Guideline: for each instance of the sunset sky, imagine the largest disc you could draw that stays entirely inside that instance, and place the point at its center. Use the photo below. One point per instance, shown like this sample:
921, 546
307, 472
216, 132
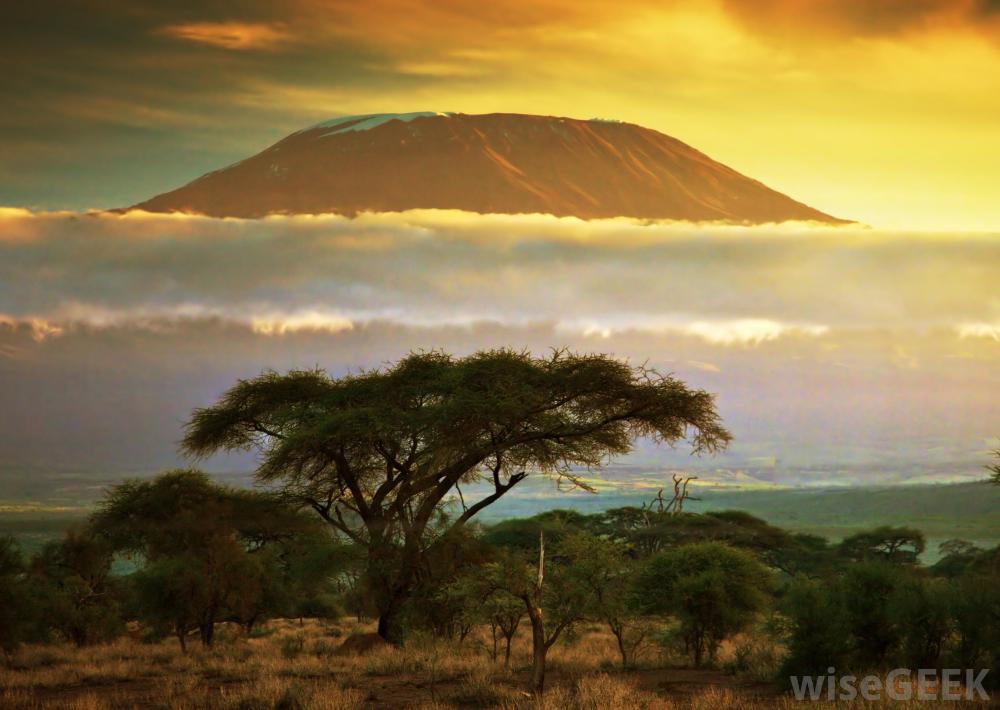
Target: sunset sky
884, 111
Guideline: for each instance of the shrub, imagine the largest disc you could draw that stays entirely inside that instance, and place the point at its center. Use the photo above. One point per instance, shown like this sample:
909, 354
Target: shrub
870, 588
817, 635
922, 608
323, 648
16, 607
713, 590
292, 647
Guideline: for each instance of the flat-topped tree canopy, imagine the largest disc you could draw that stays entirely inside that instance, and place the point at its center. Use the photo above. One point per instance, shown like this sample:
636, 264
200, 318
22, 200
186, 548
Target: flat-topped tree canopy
377, 453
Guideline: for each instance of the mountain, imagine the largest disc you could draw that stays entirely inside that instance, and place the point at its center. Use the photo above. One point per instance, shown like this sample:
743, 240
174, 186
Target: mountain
499, 163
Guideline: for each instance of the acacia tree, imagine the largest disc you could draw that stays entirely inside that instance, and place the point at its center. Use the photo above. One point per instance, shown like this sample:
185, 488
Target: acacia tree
713, 590
604, 569
76, 592
899, 545
504, 614
550, 594
15, 603
203, 545
377, 453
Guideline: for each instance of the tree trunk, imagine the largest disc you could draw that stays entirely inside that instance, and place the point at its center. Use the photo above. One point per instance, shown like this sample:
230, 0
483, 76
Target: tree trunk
506, 652
207, 630
619, 636
393, 578
534, 606
182, 637
538, 649
390, 619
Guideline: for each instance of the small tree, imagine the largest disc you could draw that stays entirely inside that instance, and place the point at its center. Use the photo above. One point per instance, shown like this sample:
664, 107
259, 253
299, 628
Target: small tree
311, 567
376, 454
207, 550
817, 627
959, 557
899, 545
551, 598
449, 593
216, 581
15, 604
713, 590
975, 612
606, 572
922, 607
504, 614
995, 469
870, 588
77, 596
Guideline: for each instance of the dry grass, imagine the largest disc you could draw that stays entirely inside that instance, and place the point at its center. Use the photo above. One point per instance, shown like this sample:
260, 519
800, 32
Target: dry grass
288, 666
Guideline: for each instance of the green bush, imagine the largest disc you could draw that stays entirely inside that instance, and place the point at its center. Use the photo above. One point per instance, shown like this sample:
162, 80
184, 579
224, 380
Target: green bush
870, 589
817, 628
712, 589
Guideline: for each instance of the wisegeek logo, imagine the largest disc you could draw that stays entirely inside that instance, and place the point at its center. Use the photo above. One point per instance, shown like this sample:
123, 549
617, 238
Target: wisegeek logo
899, 684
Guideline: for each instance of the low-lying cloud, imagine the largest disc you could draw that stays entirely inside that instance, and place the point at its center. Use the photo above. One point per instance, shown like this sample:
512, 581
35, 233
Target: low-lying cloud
729, 285
832, 350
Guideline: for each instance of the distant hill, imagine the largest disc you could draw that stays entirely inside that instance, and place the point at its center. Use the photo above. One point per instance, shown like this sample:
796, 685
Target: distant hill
36, 506
493, 163
969, 511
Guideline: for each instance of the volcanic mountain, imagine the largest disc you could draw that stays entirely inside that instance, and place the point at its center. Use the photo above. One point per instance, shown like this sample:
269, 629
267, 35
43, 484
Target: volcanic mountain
499, 163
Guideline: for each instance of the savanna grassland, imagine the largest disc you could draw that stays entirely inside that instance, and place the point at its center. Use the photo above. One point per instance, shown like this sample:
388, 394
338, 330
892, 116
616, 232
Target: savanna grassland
292, 665
352, 577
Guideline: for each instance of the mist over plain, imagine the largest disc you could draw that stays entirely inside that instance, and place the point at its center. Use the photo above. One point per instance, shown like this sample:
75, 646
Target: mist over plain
837, 352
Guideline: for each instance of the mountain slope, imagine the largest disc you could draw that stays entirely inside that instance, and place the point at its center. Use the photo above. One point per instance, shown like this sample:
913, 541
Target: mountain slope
492, 163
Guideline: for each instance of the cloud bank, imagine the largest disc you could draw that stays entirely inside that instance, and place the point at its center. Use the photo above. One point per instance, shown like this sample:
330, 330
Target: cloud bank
728, 285
832, 350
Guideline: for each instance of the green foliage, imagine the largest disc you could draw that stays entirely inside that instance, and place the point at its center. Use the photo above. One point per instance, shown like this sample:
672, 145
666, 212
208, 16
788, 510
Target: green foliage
377, 454
606, 572
714, 591
975, 611
898, 545
216, 581
448, 596
957, 558
818, 634
213, 553
874, 615
995, 469
504, 614
922, 607
563, 600
17, 607
76, 594
522, 533
869, 588
177, 510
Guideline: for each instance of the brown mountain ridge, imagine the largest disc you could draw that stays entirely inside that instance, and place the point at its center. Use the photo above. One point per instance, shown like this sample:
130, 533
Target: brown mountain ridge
491, 163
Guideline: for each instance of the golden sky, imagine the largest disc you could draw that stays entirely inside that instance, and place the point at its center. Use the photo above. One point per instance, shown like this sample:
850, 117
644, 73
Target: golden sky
884, 111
